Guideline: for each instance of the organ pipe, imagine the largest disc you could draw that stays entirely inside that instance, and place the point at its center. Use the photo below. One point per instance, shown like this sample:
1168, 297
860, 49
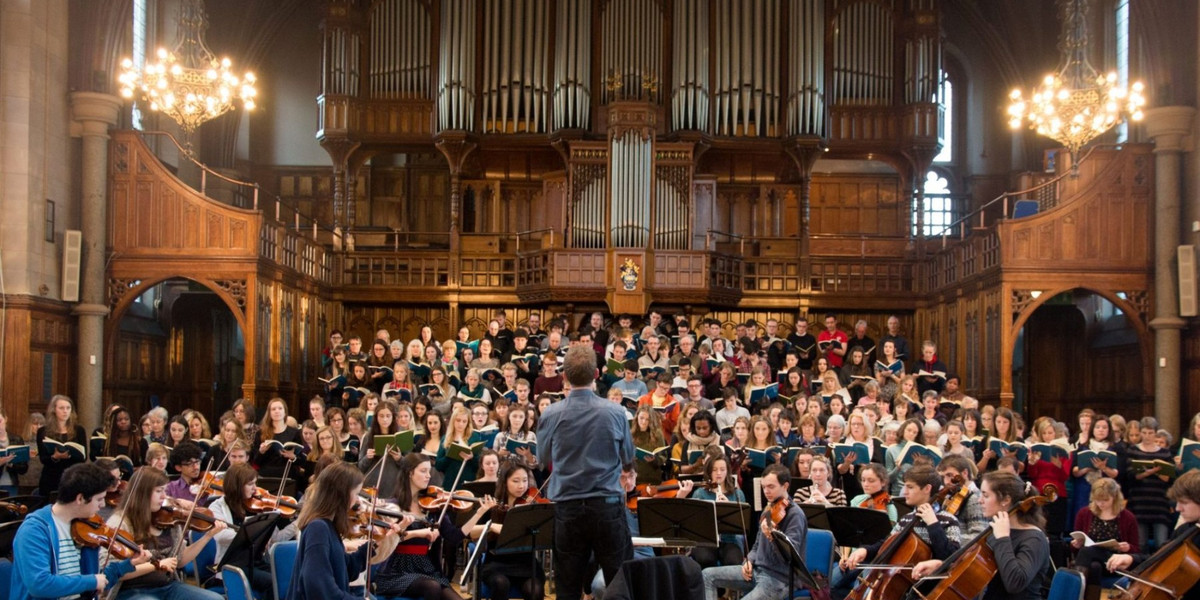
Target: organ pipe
863, 52
631, 60
806, 51
689, 99
630, 181
672, 201
399, 50
514, 79
748, 49
572, 64
341, 55
456, 68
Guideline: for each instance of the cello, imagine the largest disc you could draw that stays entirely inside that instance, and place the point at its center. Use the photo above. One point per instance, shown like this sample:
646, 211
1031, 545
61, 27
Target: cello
890, 580
1168, 573
967, 573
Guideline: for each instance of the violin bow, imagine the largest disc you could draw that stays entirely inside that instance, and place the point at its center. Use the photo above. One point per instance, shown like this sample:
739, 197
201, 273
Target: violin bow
287, 469
370, 522
192, 511
453, 486
137, 475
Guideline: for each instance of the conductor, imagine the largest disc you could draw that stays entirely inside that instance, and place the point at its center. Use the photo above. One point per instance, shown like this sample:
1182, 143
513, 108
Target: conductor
585, 439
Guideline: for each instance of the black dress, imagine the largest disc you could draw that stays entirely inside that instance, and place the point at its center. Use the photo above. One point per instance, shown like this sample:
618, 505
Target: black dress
52, 470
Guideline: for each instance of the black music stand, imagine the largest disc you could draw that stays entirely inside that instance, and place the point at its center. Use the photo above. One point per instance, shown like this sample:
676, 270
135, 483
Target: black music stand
734, 518
479, 488
796, 567
857, 527
527, 528
817, 516
679, 520
250, 543
902, 507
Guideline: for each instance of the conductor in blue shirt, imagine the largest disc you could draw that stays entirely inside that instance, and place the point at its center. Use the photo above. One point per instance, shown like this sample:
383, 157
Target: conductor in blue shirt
585, 439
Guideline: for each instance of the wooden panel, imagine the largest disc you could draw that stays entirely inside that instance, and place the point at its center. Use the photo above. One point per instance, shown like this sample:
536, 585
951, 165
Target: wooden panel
154, 213
869, 204
680, 270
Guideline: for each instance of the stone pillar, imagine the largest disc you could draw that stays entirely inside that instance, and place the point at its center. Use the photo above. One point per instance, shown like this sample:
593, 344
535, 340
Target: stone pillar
93, 113
1167, 126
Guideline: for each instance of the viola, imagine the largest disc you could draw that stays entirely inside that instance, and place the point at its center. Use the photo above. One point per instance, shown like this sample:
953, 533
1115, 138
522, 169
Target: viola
777, 511
967, 572
901, 549
264, 501
202, 519
665, 489
113, 498
1168, 573
94, 533
878, 501
436, 498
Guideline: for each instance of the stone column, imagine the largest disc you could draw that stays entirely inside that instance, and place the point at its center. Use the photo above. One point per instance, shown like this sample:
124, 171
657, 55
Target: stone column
93, 114
1167, 126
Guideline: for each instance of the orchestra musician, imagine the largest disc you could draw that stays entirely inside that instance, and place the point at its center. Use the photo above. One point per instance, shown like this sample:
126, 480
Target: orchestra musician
503, 573
937, 528
1018, 542
46, 561
1185, 493
719, 486
146, 494
764, 573
325, 565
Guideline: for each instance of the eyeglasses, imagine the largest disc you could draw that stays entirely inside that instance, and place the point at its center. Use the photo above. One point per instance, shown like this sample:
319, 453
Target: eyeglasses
191, 463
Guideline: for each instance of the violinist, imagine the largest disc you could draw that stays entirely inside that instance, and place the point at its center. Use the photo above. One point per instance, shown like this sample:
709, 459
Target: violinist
1019, 544
415, 568
504, 572
186, 459
964, 504
1185, 493
873, 482
153, 579
764, 573
938, 529
719, 486
325, 565
113, 495
239, 485
46, 561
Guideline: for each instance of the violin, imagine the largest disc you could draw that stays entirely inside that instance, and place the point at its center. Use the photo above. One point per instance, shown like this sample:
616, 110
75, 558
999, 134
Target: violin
532, 496
113, 498
1168, 573
94, 533
901, 549
967, 572
878, 501
435, 498
17, 510
665, 489
213, 484
264, 501
777, 511
202, 519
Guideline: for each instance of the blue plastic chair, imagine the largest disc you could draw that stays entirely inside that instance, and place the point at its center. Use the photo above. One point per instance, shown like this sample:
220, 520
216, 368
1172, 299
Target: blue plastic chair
818, 556
200, 567
1067, 584
282, 557
237, 587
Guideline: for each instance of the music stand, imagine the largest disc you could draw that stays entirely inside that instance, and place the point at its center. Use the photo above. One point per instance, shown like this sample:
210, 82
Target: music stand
796, 567
479, 488
734, 518
250, 542
902, 507
817, 516
527, 528
679, 520
858, 527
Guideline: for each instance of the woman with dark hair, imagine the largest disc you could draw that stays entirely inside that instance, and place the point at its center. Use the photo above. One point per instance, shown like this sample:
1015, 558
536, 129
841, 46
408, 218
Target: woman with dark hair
325, 565
719, 486
240, 484
122, 439
1020, 546
504, 573
416, 569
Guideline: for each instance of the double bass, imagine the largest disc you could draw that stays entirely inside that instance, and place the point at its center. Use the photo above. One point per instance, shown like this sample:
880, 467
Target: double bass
901, 549
1168, 573
967, 572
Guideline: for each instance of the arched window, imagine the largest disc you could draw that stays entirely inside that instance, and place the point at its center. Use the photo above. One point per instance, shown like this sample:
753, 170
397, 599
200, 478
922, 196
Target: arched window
939, 203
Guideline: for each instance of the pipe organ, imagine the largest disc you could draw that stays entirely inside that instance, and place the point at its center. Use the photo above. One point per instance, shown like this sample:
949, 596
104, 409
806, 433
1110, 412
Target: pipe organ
515, 41
627, 100
400, 50
572, 64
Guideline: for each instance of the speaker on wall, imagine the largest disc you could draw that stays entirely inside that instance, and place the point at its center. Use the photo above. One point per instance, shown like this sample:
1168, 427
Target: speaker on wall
1187, 280
72, 240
